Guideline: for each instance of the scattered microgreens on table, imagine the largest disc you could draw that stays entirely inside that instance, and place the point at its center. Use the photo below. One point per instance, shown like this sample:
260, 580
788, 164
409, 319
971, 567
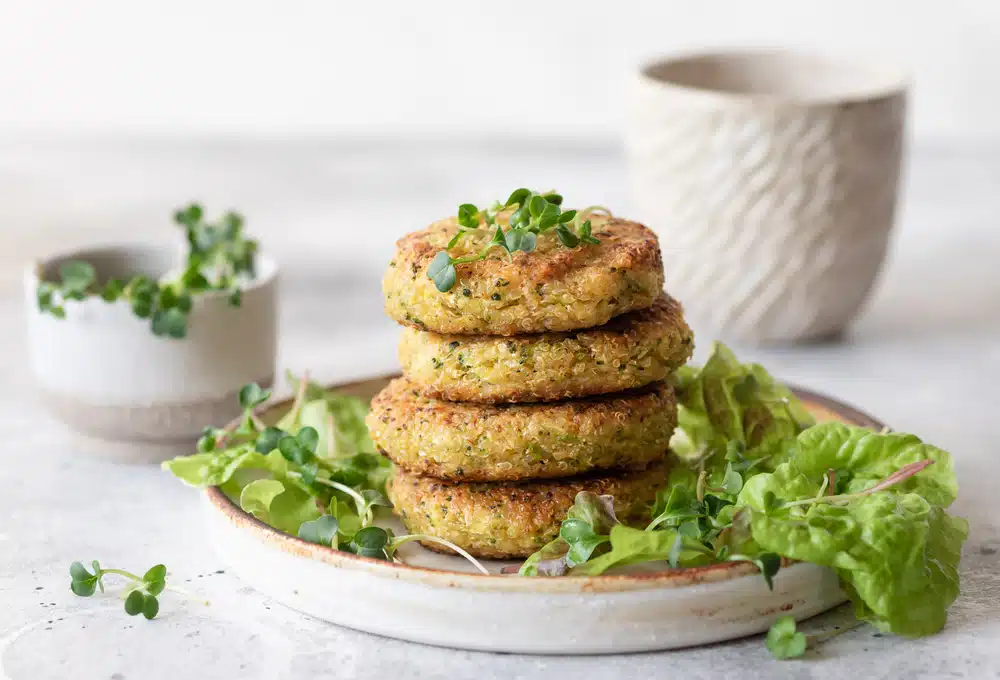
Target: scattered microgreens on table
529, 215
141, 593
314, 474
219, 258
785, 641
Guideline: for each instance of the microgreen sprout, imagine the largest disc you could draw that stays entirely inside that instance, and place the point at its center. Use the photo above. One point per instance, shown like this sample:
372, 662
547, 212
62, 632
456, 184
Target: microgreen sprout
529, 215
141, 594
338, 490
785, 641
219, 256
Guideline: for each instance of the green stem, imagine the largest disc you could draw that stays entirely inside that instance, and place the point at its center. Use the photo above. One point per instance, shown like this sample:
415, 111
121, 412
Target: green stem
822, 487
583, 215
359, 500
300, 397
434, 539
120, 572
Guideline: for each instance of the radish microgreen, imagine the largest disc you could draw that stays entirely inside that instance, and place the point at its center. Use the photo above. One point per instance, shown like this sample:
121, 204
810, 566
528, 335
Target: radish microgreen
314, 473
141, 593
529, 215
219, 256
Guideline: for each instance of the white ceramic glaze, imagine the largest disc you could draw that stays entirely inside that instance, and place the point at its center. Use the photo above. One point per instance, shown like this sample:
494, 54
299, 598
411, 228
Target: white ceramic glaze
130, 394
440, 600
771, 178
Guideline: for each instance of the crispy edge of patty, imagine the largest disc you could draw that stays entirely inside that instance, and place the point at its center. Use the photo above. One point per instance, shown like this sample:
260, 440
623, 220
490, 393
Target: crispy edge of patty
481, 517
553, 288
630, 351
479, 442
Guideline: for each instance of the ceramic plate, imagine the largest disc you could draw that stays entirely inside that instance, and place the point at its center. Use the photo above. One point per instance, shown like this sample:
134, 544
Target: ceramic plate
441, 600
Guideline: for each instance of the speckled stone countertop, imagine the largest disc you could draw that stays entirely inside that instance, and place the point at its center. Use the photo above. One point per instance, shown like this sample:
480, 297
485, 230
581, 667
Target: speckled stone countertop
925, 358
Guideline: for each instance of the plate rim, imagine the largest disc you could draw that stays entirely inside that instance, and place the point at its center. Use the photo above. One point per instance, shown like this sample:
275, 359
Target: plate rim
605, 583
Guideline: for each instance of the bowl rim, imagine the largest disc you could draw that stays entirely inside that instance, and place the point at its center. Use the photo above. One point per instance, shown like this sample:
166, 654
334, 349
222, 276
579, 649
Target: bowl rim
268, 266
671, 578
896, 79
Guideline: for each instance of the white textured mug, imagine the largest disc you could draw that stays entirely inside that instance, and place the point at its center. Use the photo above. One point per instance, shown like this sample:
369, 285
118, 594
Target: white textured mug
771, 178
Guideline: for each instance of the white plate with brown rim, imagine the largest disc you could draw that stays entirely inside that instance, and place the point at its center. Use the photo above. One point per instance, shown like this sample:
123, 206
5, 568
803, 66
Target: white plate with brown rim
441, 600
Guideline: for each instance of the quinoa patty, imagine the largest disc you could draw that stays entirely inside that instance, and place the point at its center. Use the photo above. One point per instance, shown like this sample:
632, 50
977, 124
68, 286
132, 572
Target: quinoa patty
554, 288
478, 442
632, 350
509, 520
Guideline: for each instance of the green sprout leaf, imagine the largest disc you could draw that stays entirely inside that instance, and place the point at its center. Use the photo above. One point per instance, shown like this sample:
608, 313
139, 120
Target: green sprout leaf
268, 439
77, 276
517, 197
253, 395
370, 542
219, 257
517, 239
567, 237
784, 641
322, 531
768, 563
155, 579
150, 606
585, 231
83, 583
442, 272
134, 603
468, 216
113, 290
170, 322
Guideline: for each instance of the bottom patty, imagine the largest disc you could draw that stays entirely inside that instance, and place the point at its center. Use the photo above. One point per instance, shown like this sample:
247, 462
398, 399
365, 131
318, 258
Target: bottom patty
506, 520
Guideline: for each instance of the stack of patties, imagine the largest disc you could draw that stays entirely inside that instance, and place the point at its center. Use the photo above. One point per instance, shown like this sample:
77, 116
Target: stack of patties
530, 380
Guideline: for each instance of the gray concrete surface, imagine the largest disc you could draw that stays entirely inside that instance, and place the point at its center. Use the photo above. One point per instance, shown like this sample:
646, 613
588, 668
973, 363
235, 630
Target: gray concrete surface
925, 358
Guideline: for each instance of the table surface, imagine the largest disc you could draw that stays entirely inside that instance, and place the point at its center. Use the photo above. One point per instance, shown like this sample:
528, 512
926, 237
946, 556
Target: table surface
925, 357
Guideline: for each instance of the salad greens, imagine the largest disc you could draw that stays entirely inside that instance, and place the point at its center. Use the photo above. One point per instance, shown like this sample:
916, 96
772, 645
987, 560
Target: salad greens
219, 255
314, 474
531, 215
758, 481
755, 480
140, 594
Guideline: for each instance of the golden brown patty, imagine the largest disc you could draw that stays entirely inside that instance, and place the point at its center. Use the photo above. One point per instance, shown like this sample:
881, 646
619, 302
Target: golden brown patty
554, 288
629, 351
478, 442
508, 519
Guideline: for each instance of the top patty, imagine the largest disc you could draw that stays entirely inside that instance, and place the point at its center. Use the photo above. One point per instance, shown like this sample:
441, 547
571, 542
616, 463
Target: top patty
554, 288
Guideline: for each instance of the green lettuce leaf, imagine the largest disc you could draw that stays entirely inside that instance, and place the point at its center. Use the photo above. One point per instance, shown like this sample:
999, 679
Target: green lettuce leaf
214, 468
863, 457
583, 533
632, 546
897, 553
896, 549
282, 506
726, 407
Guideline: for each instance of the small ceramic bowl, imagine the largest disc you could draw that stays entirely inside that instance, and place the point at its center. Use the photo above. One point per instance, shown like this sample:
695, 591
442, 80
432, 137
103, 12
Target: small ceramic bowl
129, 394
